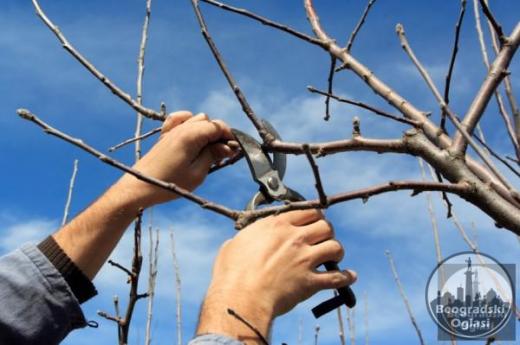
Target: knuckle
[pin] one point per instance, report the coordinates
(337, 250)
(326, 227)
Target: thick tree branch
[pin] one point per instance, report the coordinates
(431, 130)
(355, 144)
(152, 114)
(496, 73)
(415, 186)
(446, 110)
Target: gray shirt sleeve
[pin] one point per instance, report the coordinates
(214, 339)
(37, 304)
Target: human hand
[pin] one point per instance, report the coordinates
(268, 268)
(185, 151)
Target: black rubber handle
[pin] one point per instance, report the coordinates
(345, 296)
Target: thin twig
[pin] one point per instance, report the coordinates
(341, 328)
(140, 75)
(359, 25)
(27, 115)
(139, 138)
(178, 309)
(497, 156)
(351, 325)
(365, 299)
(121, 267)
(153, 255)
(248, 324)
(69, 194)
(497, 27)
(316, 333)
(452, 62)
(246, 108)
(317, 178)
(330, 80)
(403, 296)
(152, 114)
(365, 106)
(265, 21)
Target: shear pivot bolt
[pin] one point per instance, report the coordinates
(273, 183)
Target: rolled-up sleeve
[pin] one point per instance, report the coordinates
(37, 306)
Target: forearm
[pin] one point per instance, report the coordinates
(215, 318)
(90, 237)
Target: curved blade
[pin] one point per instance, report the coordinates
(279, 159)
(260, 166)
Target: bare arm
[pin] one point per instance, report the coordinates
(188, 146)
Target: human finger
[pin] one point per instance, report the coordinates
(330, 250)
(175, 119)
(211, 154)
(201, 133)
(333, 279)
(317, 232)
(303, 217)
(199, 117)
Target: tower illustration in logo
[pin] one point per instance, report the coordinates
(471, 296)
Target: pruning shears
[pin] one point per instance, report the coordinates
(268, 173)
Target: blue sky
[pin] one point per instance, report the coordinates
(273, 69)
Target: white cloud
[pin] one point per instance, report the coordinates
(25, 231)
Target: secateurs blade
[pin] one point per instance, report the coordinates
(268, 173)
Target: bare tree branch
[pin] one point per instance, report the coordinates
(365, 299)
(153, 255)
(403, 296)
(264, 134)
(152, 114)
(134, 139)
(452, 62)
(495, 75)
(497, 27)
(341, 328)
(69, 194)
(365, 106)
(265, 21)
(317, 178)
(359, 25)
(453, 117)
(178, 313)
(330, 81)
(27, 115)
(140, 75)
(431, 130)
